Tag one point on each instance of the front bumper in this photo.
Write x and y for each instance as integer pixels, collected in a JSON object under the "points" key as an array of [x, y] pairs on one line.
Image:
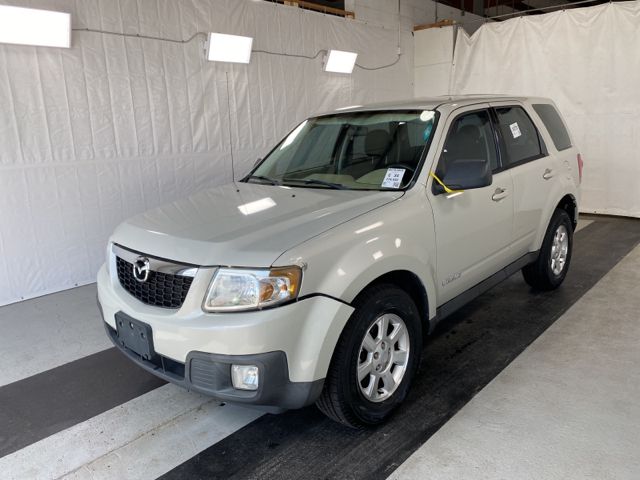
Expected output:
{"points": [[292, 345], [209, 374]]}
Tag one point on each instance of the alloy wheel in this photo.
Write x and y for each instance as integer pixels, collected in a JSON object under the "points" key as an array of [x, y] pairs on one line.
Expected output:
{"points": [[383, 357]]}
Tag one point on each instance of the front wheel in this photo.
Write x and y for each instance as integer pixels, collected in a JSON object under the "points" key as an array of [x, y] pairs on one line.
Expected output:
{"points": [[549, 270], [375, 359]]}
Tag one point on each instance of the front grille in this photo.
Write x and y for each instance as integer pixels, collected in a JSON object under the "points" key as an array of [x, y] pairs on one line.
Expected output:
{"points": [[160, 289]]}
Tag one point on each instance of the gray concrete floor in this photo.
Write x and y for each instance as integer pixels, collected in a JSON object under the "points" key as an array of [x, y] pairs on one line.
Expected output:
{"points": [[567, 408], [49, 331]]}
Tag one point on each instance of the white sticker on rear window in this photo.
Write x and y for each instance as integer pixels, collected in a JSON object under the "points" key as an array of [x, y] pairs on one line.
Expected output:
{"points": [[393, 178], [515, 130]]}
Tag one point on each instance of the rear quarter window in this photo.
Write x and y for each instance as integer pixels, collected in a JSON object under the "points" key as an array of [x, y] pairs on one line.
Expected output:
{"points": [[554, 125]]}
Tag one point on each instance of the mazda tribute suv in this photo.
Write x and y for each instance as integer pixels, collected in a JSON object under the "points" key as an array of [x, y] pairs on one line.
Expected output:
{"points": [[313, 279]]}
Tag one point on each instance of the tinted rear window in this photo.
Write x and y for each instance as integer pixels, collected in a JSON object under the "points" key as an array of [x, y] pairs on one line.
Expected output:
{"points": [[555, 126], [519, 134]]}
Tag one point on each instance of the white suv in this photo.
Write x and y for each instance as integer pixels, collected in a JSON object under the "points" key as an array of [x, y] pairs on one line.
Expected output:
{"points": [[314, 277]]}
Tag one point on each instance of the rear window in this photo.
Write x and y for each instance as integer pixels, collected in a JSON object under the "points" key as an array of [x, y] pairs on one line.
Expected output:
{"points": [[554, 124], [520, 135]]}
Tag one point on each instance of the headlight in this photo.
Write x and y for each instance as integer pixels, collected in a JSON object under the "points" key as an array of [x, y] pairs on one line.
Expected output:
{"points": [[243, 289]]}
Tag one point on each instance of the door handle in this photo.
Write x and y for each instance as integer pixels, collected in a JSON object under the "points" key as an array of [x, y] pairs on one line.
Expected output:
{"points": [[499, 194], [548, 173]]}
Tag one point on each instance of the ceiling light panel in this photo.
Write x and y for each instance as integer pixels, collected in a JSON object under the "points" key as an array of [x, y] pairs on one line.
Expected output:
{"points": [[29, 26], [229, 48], [339, 61]]}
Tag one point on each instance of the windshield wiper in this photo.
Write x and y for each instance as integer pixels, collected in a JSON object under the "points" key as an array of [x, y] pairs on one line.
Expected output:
{"points": [[315, 181], [262, 177]]}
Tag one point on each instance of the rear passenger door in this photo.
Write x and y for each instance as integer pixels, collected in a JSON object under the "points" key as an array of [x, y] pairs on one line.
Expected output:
{"points": [[533, 170]]}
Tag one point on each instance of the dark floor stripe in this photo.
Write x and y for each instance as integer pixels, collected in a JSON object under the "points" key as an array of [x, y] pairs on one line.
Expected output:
{"points": [[466, 352], [47, 403]]}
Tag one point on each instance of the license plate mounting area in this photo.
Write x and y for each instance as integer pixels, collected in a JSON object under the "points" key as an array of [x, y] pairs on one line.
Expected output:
{"points": [[135, 335]]}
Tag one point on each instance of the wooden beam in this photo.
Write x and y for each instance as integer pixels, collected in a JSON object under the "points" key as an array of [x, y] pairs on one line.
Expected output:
{"points": [[441, 23], [320, 8]]}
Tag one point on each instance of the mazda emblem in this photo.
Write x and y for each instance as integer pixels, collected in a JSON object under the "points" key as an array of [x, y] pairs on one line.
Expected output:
{"points": [[141, 269]]}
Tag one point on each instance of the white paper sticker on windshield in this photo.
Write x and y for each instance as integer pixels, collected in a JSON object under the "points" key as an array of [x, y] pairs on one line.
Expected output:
{"points": [[515, 130], [393, 178]]}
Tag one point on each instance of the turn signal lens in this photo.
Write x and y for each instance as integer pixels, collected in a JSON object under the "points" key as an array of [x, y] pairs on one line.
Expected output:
{"points": [[283, 283]]}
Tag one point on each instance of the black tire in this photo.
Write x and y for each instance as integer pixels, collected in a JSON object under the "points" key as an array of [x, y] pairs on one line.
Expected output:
{"points": [[342, 399], [539, 274]]}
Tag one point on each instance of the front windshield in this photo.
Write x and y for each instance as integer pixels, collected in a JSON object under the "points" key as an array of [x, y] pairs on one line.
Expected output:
{"points": [[363, 150]]}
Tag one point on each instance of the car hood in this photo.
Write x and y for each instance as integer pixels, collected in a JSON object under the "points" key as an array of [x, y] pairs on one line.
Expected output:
{"points": [[242, 224]]}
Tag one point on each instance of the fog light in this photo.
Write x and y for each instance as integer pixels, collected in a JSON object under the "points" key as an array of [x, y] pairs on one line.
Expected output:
{"points": [[245, 377]]}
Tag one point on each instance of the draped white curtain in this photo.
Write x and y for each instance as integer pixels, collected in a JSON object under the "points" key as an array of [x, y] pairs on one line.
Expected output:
{"points": [[114, 126], [588, 61]]}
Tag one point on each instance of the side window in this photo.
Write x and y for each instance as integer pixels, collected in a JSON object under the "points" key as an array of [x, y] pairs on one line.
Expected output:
{"points": [[470, 138], [554, 124], [522, 142]]}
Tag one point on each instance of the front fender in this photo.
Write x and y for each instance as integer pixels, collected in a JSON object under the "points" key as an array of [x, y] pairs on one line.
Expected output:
{"points": [[344, 260]]}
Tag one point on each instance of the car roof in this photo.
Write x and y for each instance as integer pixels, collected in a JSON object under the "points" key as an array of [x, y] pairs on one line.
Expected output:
{"points": [[431, 103]]}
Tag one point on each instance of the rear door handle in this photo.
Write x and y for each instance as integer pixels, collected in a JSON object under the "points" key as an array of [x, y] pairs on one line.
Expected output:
{"points": [[548, 173], [499, 194]]}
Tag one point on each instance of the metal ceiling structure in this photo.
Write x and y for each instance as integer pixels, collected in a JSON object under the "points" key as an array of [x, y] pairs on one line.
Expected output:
{"points": [[489, 9], [505, 9]]}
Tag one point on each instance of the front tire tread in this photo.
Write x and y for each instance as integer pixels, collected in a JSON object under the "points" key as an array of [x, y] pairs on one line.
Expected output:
{"points": [[333, 400]]}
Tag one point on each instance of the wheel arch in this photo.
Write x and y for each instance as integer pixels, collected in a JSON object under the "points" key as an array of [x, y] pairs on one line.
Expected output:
{"points": [[410, 283], [569, 204]]}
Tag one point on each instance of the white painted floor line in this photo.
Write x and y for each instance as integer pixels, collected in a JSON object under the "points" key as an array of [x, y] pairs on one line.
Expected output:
{"points": [[140, 439], [566, 408], [46, 332], [161, 450]]}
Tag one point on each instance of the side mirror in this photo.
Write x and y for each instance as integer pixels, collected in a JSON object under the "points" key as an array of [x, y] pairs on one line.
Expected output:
{"points": [[465, 175], [257, 162]]}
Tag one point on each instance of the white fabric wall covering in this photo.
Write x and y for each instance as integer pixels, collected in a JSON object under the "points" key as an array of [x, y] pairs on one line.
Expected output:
{"points": [[587, 60], [114, 126], [433, 56]]}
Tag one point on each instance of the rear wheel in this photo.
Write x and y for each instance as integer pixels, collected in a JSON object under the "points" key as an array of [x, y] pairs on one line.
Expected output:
{"points": [[375, 359], [550, 269]]}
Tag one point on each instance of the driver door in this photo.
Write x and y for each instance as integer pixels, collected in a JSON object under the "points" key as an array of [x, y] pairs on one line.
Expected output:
{"points": [[473, 229]]}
